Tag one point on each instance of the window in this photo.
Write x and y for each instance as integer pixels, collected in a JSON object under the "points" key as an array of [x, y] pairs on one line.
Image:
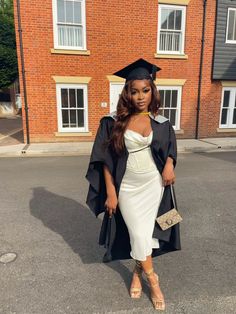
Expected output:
{"points": [[69, 24], [170, 104], [231, 26], [72, 107], [228, 108], [171, 29]]}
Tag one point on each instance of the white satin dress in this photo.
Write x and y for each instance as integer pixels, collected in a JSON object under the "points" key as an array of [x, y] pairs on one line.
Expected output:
{"points": [[140, 194]]}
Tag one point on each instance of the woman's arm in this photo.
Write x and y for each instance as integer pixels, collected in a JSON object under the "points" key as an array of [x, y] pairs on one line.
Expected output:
{"points": [[168, 174], [111, 201]]}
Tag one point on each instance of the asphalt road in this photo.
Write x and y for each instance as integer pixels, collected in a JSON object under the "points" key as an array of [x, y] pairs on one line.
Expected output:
{"points": [[58, 269]]}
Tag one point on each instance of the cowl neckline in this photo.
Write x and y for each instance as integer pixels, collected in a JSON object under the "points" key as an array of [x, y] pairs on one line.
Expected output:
{"points": [[139, 133]]}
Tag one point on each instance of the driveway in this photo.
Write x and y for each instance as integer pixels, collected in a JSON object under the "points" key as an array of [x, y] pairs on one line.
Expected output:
{"points": [[11, 130]]}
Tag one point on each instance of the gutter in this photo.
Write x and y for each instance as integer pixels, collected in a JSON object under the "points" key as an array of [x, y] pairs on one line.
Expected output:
{"points": [[23, 71], [200, 70]]}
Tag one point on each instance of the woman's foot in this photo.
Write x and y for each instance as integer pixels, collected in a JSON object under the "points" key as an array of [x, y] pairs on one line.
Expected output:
{"points": [[136, 285], [156, 294]]}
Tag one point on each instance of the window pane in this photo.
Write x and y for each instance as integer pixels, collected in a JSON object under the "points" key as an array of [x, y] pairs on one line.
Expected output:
{"points": [[174, 99], [167, 98], [64, 98], [78, 36], [170, 41], [224, 116], [73, 119], [172, 117], [70, 36], [72, 98], [226, 98], [80, 98], [161, 112], [65, 119], [231, 25], [162, 97], [80, 115], [60, 11], [166, 113], [178, 18], [69, 11], [77, 12], [164, 16], [171, 19], [178, 41], [234, 117]]}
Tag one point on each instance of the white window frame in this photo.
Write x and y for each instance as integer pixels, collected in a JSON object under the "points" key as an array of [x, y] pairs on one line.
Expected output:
{"points": [[179, 98], [55, 30], [176, 7], [60, 86], [228, 41], [232, 98]]}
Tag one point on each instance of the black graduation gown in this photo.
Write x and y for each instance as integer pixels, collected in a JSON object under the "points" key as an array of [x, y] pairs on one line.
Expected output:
{"points": [[163, 145]]}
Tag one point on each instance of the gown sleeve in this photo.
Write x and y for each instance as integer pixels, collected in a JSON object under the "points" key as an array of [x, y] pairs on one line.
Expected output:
{"points": [[172, 146], [101, 154]]}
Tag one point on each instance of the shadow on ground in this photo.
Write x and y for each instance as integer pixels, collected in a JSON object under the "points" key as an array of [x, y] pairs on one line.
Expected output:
{"points": [[196, 271], [76, 225]]}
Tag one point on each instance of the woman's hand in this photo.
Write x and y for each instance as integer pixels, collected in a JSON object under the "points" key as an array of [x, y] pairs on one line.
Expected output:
{"points": [[111, 203], [168, 175]]}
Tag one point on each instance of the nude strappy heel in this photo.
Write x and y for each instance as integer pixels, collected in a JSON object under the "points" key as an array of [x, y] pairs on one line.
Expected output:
{"points": [[135, 293], [159, 304]]}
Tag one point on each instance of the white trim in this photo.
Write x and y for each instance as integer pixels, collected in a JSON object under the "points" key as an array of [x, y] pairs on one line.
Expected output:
{"points": [[59, 86], [228, 41], [183, 22], [231, 108], [178, 2], [72, 79], [179, 98], [113, 87], [55, 31]]}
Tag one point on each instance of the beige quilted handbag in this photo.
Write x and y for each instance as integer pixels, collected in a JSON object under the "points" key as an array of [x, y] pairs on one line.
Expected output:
{"points": [[172, 217]]}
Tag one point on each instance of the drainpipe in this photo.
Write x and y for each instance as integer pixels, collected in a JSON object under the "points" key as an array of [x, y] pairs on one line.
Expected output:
{"points": [[23, 71], [200, 69]]}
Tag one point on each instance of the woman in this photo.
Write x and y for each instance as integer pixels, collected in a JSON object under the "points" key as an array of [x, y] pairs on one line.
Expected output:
{"points": [[130, 172]]}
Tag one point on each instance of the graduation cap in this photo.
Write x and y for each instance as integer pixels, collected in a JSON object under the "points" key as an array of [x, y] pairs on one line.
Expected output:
{"points": [[138, 70]]}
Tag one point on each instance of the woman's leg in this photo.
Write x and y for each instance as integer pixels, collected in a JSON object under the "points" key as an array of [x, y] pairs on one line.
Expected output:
{"points": [[136, 285], [153, 281]]}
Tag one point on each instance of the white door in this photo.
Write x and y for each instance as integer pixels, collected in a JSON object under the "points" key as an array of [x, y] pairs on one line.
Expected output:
{"points": [[115, 91]]}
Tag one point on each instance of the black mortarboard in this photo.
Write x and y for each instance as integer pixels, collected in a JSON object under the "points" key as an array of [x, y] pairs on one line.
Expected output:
{"points": [[138, 70]]}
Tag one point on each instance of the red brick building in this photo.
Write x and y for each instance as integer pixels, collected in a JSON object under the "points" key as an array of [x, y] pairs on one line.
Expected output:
{"points": [[72, 47]]}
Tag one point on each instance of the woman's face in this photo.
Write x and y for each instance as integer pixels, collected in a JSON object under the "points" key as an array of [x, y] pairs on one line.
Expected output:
{"points": [[141, 95]]}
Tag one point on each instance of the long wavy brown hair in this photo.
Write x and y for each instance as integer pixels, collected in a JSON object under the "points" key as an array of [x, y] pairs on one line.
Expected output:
{"points": [[125, 109]]}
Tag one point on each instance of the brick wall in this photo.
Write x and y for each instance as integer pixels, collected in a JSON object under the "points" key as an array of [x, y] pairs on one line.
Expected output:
{"points": [[118, 32]]}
